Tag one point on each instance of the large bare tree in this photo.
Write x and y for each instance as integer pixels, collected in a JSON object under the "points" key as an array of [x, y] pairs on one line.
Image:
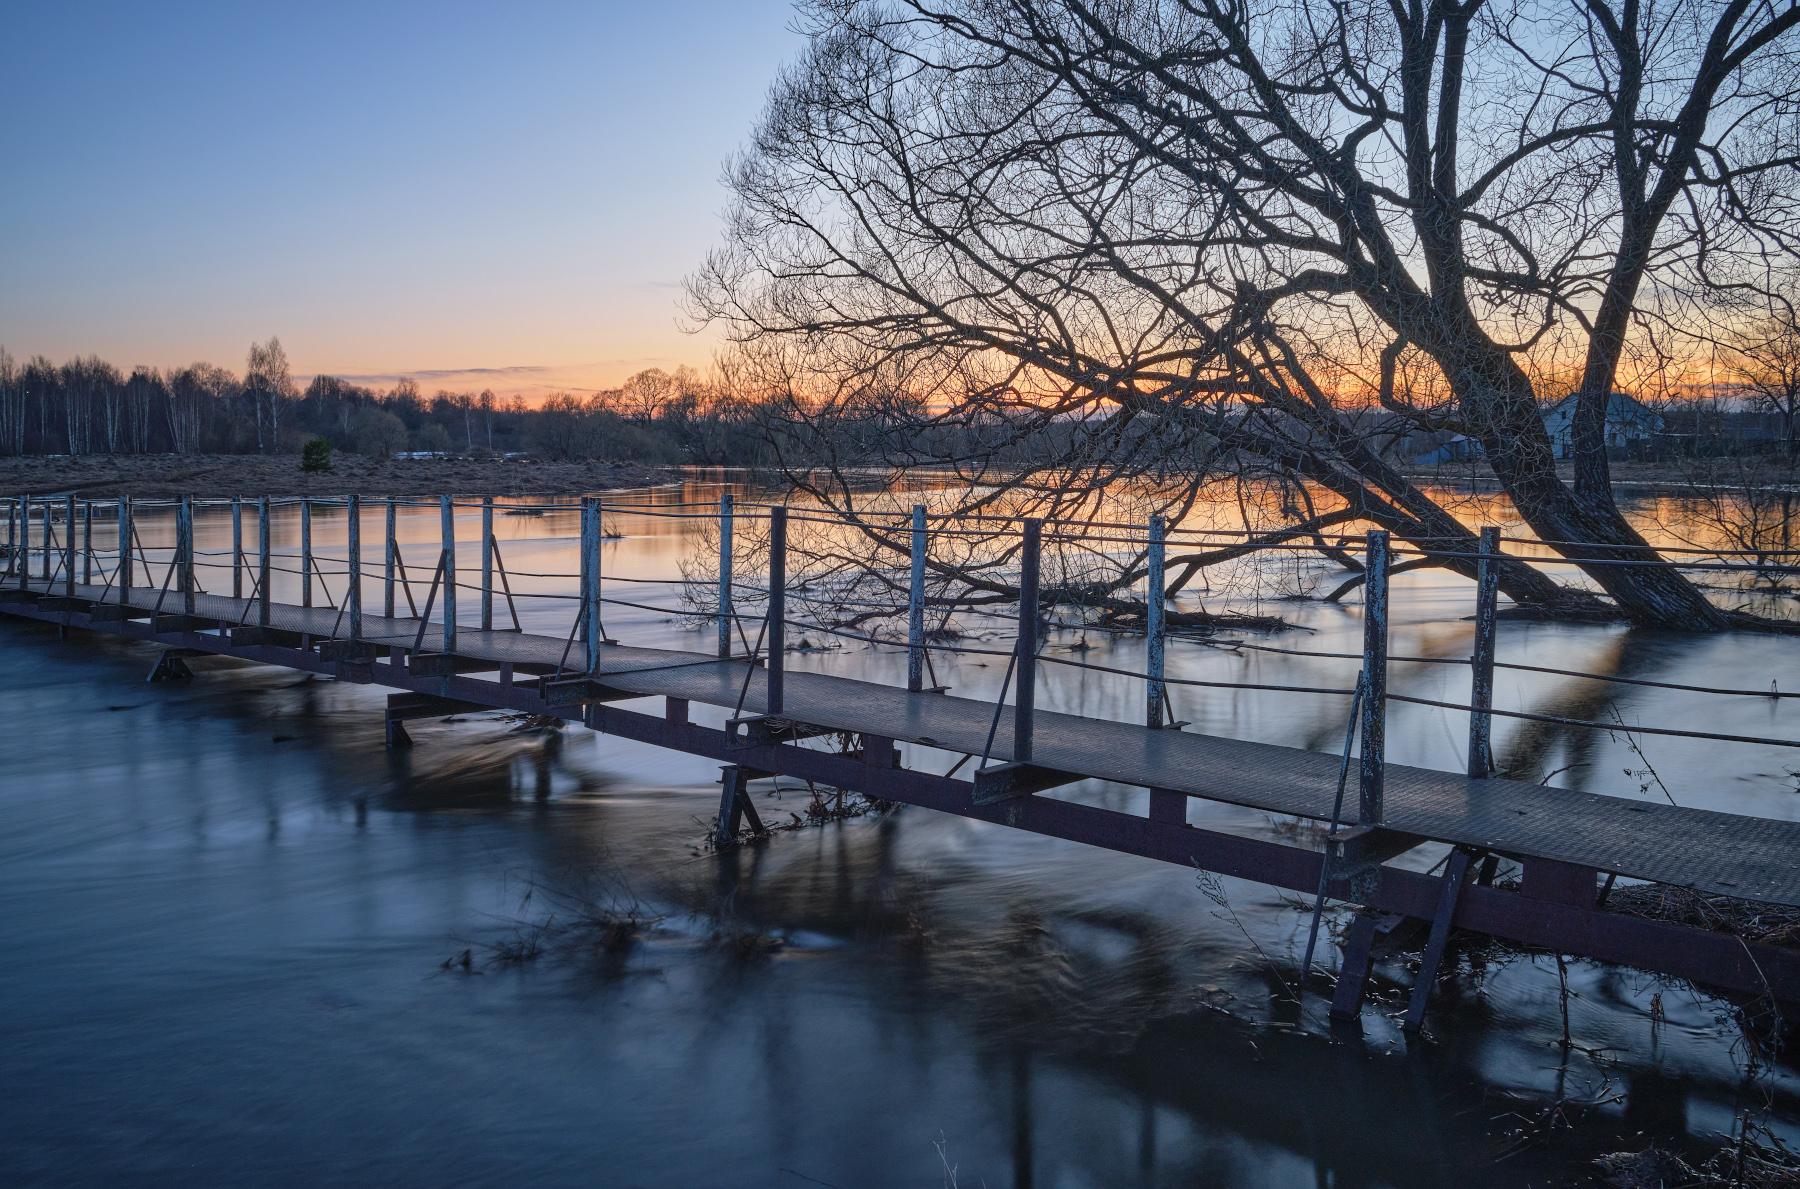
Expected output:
{"points": [[1087, 240], [1765, 366]]}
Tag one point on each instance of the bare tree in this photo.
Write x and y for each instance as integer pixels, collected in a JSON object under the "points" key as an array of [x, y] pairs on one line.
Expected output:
{"points": [[12, 406], [89, 383], [145, 394], [1159, 240], [1766, 356], [643, 395], [195, 392], [268, 383]]}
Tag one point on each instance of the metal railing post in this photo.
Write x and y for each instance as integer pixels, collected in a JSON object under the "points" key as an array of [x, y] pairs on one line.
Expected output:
{"points": [[306, 566], [487, 563], [22, 549], [777, 614], [49, 544], [1481, 661], [725, 518], [353, 549], [1025, 695], [237, 547], [590, 581], [12, 535], [1373, 769], [68, 557], [87, 542], [123, 575], [1154, 623], [389, 555], [262, 560], [184, 552], [915, 605], [447, 524]]}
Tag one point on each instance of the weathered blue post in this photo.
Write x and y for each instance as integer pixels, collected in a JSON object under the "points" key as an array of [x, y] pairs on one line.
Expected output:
{"points": [[777, 621], [87, 542], [915, 605], [49, 544], [1025, 697], [123, 574], [390, 556], [237, 547], [447, 522], [262, 560], [184, 552], [590, 580], [353, 533], [1373, 771], [487, 563], [306, 560], [725, 518], [22, 558], [1154, 620], [1481, 682], [68, 561]]}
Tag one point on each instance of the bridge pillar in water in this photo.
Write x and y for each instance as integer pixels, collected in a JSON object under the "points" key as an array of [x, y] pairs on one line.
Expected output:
{"points": [[734, 806], [447, 520], [353, 553], [487, 563], [777, 621], [915, 605], [1025, 695], [1481, 661], [725, 526], [262, 560], [1373, 768]]}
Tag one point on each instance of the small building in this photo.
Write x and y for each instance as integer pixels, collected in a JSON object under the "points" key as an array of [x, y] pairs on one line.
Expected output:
{"points": [[1447, 448], [1630, 425]]}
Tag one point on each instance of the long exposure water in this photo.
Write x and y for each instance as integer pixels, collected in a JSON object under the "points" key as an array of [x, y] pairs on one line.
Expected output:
{"points": [[235, 932]]}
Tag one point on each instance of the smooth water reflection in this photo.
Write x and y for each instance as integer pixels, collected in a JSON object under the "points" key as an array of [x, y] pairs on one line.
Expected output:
{"points": [[227, 909]]}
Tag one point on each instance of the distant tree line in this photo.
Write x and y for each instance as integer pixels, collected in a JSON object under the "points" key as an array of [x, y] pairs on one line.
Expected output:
{"points": [[90, 406]]}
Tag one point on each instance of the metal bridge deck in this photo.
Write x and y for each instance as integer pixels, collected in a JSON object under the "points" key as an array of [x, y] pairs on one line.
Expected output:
{"points": [[1736, 855]]}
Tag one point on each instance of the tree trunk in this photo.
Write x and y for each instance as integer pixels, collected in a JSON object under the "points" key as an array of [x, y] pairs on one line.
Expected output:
{"points": [[1648, 592]]}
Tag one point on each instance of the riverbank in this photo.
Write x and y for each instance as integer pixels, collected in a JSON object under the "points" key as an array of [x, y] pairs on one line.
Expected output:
{"points": [[239, 474], [1661, 477]]}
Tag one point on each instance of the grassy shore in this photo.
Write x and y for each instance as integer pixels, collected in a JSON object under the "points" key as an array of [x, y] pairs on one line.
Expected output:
{"points": [[235, 474]]}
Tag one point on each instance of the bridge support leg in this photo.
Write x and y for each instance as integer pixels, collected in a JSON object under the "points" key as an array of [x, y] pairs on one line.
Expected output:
{"points": [[170, 667], [1359, 958], [1456, 872], [734, 806]]}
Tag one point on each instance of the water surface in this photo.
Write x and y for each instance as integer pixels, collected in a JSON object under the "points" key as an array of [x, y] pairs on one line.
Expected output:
{"points": [[228, 913]]}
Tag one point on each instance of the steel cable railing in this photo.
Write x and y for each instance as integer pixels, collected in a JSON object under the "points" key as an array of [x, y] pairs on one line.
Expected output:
{"points": [[1094, 535]]}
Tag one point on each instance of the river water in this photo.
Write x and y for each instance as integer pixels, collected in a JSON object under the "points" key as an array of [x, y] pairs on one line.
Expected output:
{"points": [[235, 928]]}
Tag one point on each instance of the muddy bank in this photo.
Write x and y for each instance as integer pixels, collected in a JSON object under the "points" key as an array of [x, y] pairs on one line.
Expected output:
{"points": [[226, 474], [1665, 477]]}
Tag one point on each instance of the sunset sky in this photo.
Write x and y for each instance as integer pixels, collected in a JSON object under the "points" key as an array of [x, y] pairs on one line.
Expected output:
{"points": [[477, 195]]}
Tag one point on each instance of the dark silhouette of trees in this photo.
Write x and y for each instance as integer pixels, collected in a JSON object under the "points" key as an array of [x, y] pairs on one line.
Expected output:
{"points": [[1766, 368], [87, 406], [1197, 238]]}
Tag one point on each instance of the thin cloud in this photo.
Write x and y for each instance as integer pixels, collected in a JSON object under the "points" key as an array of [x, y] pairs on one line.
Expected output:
{"points": [[521, 379]]}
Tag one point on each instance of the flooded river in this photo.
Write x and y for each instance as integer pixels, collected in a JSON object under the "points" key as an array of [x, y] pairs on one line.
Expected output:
{"points": [[244, 943]]}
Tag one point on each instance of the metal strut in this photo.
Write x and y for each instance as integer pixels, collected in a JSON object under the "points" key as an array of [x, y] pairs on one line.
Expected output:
{"points": [[734, 806]]}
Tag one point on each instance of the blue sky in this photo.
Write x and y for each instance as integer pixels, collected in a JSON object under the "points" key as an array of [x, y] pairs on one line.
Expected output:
{"points": [[390, 187]]}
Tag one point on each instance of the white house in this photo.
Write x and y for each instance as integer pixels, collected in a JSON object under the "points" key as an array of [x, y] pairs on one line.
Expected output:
{"points": [[1629, 422]]}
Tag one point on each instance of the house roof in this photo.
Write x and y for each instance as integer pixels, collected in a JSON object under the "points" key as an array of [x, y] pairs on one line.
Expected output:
{"points": [[1621, 408]]}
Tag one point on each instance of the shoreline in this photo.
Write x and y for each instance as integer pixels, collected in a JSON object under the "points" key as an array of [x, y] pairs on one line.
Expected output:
{"points": [[213, 475]]}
